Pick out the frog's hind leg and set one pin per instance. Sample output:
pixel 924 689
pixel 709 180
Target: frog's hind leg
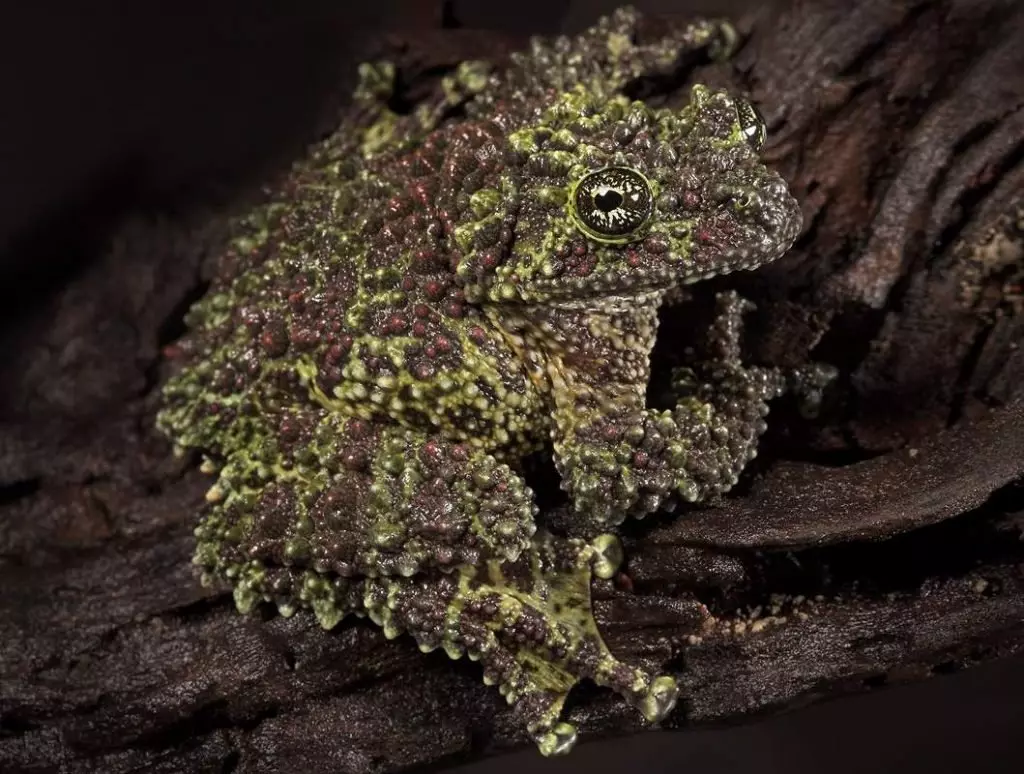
pixel 302 518
pixel 427 537
pixel 531 626
pixel 381 129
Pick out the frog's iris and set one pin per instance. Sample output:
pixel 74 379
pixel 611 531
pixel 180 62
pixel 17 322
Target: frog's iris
pixel 612 204
pixel 751 124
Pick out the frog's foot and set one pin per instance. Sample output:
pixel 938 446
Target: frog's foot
pixel 724 367
pixel 722 403
pixel 808 383
pixel 376 83
pixel 386 130
pixel 458 88
pixel 530 625
pixel 620 34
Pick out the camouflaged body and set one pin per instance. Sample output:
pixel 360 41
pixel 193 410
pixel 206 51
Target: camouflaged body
pixel 425 299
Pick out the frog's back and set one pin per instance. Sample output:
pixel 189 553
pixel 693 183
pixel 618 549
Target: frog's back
pixel 338 294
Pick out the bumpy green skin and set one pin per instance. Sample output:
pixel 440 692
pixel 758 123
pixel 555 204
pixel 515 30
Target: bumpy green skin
pixel 419 304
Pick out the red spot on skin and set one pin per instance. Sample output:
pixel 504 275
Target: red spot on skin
pixel 425 256
pixel 459 453
pixel 397 323
pixel 432 450
pixel 579 249
pixel 396 205
pixel 477 334
pixel 297 301
pixel 353 459
pixel 623 582
pixel 442 344
pixel 585 267
pixel 656 244
pixel 640 459
pixel 408 283
pixel 252 363
pixel 421 192
pixel 413 223
pixel 330 377
pixel 704 235
pixel 455 309
pixel 633 258
pixel 334 354
pixel 419 329
pixel 303 338
pixel 447 218
pixel 421 310
pixel 691 200
pixel 250 317
pixel 434 289
pixel 288 429
pixel 273 339
pixel 357 428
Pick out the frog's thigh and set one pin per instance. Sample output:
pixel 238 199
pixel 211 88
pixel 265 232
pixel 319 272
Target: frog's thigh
pixel 344 498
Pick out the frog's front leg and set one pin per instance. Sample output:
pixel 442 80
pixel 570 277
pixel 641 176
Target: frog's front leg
pixel 618 458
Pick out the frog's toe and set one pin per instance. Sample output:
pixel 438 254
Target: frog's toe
pixel 660 699
pixel 608 555
pixel 556 741
pixel 725 42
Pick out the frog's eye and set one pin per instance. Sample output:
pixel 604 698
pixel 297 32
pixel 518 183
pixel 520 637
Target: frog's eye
pixel 612 203
pixel 751 124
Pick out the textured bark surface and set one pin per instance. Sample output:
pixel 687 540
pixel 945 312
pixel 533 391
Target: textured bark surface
pixel 876 543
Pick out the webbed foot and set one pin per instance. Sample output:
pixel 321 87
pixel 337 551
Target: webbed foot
pixel 530 624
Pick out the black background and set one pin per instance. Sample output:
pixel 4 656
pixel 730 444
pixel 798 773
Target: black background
pixel 124 108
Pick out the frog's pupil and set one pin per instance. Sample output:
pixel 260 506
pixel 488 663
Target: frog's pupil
pixel 612 203
pixel 608 200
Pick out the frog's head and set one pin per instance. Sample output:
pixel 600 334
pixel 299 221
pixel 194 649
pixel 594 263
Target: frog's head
pixel 608 197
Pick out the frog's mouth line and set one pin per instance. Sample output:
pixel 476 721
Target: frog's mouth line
pixel 566 295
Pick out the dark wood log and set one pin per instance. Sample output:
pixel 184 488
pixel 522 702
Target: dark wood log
pixel 876 543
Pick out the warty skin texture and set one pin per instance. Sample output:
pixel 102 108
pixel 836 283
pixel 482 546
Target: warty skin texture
pixel 425 299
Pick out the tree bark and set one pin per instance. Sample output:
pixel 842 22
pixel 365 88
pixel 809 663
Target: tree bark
pixel 876 543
